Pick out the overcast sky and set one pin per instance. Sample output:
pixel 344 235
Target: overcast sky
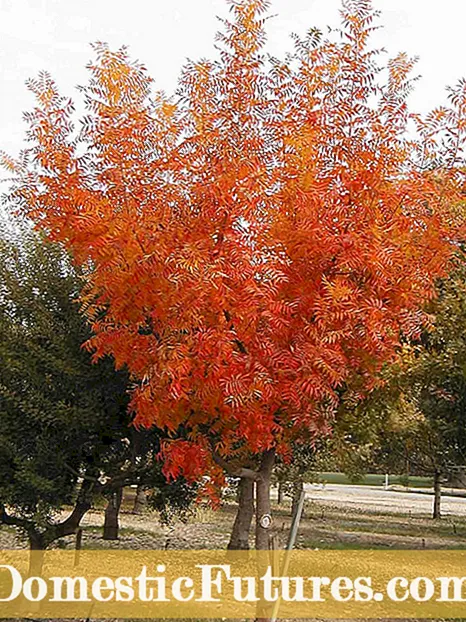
pixel 55 35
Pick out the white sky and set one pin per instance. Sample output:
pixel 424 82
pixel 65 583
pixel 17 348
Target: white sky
pixel 55 35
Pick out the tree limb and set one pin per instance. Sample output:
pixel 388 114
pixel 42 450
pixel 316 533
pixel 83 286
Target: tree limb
pixel 14 521
pixel 233 470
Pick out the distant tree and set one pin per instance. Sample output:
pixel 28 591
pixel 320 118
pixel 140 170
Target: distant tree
pixel 417 421
pixel 305 465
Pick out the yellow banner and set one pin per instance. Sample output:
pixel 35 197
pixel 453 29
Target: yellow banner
pixel 221 584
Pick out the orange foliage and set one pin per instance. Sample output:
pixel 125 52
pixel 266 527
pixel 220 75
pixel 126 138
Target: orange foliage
pixel 257 241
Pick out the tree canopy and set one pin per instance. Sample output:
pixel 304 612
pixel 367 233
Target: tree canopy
pixel 256 242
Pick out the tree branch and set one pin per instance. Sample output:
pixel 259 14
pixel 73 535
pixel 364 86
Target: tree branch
pixel 14 521
pixel 235 471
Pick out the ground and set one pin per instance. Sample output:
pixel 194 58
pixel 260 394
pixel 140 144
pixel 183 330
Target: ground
pixel 335 517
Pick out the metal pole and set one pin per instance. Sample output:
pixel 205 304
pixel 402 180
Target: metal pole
pixel 289 548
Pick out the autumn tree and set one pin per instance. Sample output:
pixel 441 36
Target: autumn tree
pixel 256 243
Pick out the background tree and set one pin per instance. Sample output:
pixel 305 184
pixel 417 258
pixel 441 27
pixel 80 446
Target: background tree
pixel 308 461
pixel 60 415
pixel 416 422
pixel 255 243
pixel 65 435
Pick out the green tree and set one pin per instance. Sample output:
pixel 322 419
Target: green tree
pixel 416 422
pixel 62 418
pixel 308 460
pixel 65 433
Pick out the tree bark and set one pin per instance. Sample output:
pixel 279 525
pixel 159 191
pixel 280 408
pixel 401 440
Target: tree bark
pixel 437 495
pixel 140 500
pixel 112 511
pixel 263 511
pixel 239 540
pixel 71 524
pixel 37 546
pixel 263 507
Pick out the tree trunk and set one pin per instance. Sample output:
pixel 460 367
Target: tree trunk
pixel 298 487
pixel 40 541
pixel 37 548
pixel 263 509
pixel 239 540
pixel 280 493
pixel 263 521
pixel 140 500
pixel 437 495
pixel 111 524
